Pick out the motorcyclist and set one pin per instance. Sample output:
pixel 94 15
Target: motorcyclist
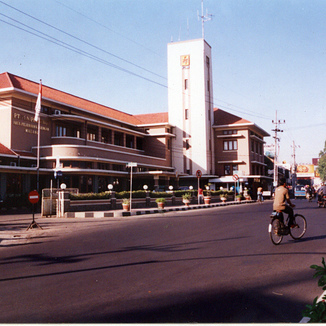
pixel 321 192
pixel 309 192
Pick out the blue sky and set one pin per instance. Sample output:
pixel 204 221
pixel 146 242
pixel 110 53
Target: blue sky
pixel 267 56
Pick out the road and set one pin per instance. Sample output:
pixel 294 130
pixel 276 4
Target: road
pixel 210 265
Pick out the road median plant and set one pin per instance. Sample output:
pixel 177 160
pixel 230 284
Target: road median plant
pixel 317 310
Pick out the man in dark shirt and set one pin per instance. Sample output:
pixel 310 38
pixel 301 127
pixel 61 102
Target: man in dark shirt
pixel 281 198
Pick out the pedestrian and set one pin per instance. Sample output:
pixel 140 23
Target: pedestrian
pixel 200 195
pixel 260 194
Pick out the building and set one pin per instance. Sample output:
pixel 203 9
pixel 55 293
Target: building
pixel 191 106
pixel 87 145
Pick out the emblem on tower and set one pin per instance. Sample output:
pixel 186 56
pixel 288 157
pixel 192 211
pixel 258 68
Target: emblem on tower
pixel 185 60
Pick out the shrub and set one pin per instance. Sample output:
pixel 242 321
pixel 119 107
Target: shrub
pixel 317 311
pixel 187 196
pixel 160 194
pixel 160 200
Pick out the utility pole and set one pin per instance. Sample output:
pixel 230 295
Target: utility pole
pixel 294 169
pixel 276 130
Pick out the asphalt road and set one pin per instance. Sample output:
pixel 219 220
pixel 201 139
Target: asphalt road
pixel 212 265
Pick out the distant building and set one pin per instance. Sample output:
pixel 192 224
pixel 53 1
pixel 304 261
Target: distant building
pixel 87 145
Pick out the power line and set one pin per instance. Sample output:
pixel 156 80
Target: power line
pixel 79 39
pixel 76 50
pixel 109 29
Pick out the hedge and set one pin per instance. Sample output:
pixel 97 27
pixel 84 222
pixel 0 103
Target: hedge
pixel 142 194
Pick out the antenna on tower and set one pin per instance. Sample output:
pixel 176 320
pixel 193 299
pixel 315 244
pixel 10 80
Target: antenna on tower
pixel 204 18
pixel 187 28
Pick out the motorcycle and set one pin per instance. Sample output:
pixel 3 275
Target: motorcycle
pixel 309 197
pixel 321 200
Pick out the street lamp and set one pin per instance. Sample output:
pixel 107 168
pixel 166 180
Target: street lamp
pixel 110 187
pixel 145 187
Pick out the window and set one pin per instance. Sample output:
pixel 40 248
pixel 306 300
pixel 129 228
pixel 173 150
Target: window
pixel 186 84
pixel 60 131
pixel 230 145
pixel 92 133
pixel 118 138
pixel 106 136
pixel 230 132
pixel 130 141
pixel 186 114
pixel 231 169
pixel 187 144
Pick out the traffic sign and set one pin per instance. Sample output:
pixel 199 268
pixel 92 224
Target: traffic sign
pixel 198 174
pixel 131 164
pixel 33 197
pixel 235 177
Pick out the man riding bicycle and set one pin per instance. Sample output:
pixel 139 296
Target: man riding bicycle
pixel 280 199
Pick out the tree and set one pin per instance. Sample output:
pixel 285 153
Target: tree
pixel 322 168
pixel 323 152
pixel 322 164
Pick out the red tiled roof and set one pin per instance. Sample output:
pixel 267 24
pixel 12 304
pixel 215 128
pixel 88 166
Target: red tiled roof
pixel 224 118
pixel 152 118
pixel 6 151
pixel 10 80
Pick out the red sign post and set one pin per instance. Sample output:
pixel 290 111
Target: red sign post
pixel 235 178
pixel 198 175
pixel 33 198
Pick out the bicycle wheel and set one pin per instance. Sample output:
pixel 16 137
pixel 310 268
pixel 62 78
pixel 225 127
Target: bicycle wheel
pixel 274 230
pixel 298 233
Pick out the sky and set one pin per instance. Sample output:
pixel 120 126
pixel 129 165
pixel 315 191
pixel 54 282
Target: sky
pixel 268 57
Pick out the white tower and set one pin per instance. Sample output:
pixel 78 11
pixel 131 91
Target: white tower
pixel 190 97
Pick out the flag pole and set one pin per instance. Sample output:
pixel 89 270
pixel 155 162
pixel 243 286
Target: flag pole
pixel 38 154
pixel 38 119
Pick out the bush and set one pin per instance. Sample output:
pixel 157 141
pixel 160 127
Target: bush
pixel 142 194
pixel 160 194
pixel 160 200
pixel 187 196
pixel 317 311
pixel 90 196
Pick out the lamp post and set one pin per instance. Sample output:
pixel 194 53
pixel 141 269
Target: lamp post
pixel 112 195
pixel 131 165
pixel 61 200
pixel 148 199
pixel 191 188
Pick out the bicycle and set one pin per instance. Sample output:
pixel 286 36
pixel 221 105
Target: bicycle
pixel 277 229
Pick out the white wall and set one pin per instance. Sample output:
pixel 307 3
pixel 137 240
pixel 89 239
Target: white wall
pixel 5 123
pixel 196 99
